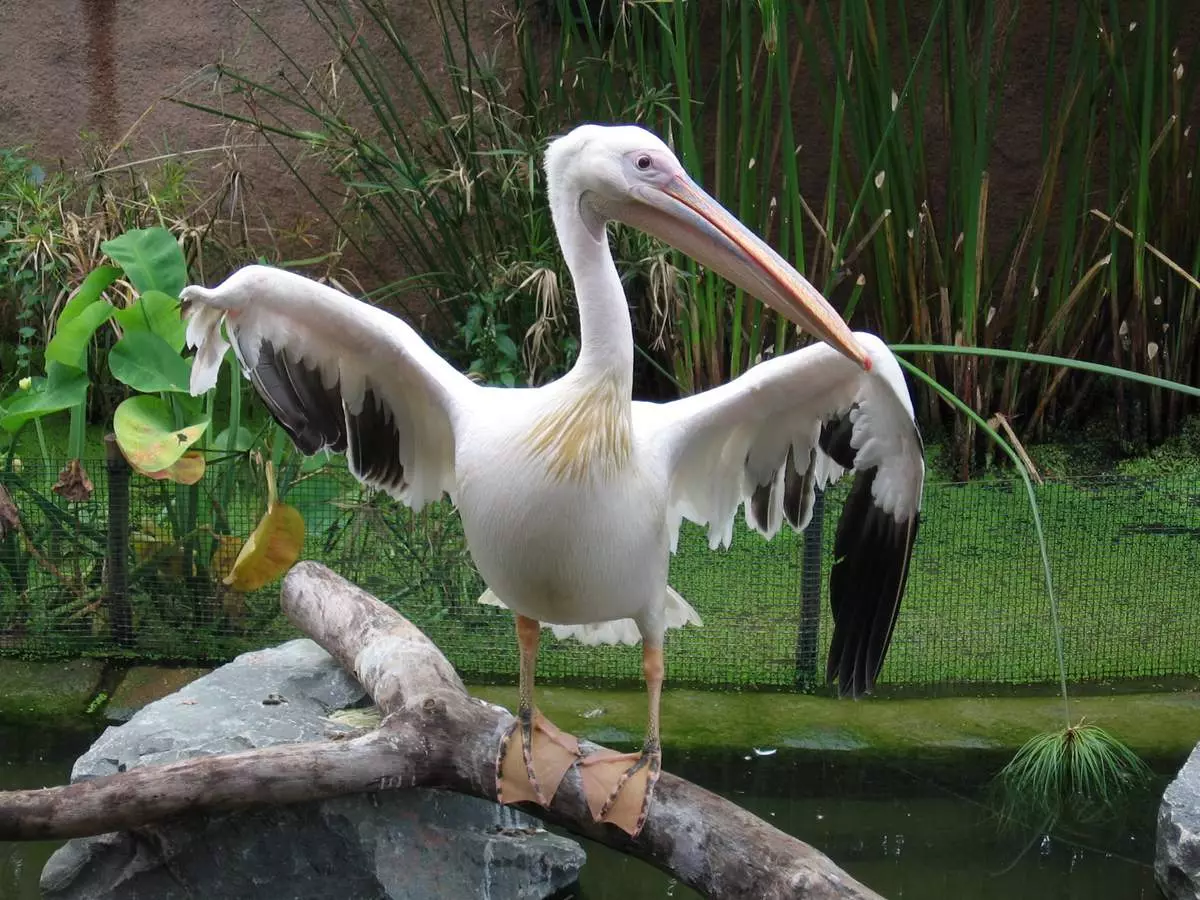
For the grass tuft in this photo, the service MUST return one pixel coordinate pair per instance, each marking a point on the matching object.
(1079, 775)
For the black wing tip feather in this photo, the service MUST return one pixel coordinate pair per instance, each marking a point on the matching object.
(298, 399)
(798, 494)
(872, 550)
(316, 417)
(836, 439)
(374, 451)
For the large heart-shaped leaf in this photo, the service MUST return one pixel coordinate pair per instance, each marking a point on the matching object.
(80, 318)
(72, 334)
(146, 362)
(151, 258)
(147, 435)
(89, 292)
(62, 388)
(243, 440)
(157, 313)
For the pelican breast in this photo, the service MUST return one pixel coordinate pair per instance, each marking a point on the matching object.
(586, 433)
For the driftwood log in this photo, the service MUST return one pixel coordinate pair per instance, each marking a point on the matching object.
(435, 735)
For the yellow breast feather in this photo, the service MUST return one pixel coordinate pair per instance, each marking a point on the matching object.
(588, 435)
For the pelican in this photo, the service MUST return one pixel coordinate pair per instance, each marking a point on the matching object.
(571, 495)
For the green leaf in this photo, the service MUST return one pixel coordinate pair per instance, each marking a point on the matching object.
(72, 336)
(89, 292)
(243, 440)
(147, 363)
(62, 388)
(147, 435)
(151, 258)
(506, 346)
(1066, 362)
(157, 313)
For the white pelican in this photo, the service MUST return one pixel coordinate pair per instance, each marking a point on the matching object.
(571, 494)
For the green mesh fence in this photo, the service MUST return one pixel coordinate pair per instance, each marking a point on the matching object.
(1124, 552)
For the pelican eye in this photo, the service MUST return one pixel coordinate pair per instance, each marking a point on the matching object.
(644, 162)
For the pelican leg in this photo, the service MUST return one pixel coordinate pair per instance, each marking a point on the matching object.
(546, 752)
(616, 791)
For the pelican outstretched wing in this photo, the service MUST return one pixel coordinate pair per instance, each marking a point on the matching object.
(772, 437)
(337, 374)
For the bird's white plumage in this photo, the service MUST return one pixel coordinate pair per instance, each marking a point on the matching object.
(677, 613)
(571, 495)
(352, 345)
(724, 442)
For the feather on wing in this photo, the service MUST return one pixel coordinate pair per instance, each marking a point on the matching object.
(337, 374)
(772, 438)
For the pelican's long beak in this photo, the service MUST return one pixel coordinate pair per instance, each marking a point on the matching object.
(687, 218)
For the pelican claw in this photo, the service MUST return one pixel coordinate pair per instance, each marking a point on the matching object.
(619, 793)
(535, 774)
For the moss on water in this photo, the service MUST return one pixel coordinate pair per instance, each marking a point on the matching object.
(47, 693)
(1153, 725)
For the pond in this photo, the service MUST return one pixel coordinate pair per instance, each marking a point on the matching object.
(920, 830)
(31, 759)
(917, 830)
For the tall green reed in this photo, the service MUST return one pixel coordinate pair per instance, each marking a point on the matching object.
(1069, 278)
(445, 168)
(859, 137)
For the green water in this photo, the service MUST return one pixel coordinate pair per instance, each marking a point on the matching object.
(918, 831)
(30, 758)
(921, 831)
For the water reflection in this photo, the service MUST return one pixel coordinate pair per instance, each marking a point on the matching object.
(33, 758)
(918, 832)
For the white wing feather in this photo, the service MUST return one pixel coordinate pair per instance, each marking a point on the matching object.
(769, 439)
(335, 372)
(722, 444)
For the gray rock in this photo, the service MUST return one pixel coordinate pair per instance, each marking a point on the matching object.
(1177, 858)
(401, 844)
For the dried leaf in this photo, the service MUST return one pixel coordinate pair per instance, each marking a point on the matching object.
(10, 519)
(147, 435)
(73, 483)
(272, 549)
(188, 469)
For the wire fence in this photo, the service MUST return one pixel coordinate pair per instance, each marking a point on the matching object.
(1124, 552)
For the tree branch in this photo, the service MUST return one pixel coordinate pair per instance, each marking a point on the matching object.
(433, 735)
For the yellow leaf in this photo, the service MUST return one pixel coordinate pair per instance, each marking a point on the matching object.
(188, 469)
(146, 433)
(224, 554)
(270, 550)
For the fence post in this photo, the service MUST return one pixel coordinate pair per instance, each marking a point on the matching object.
(809, 630)
(116, 588)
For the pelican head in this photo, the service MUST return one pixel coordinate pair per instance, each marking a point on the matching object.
(626, 173)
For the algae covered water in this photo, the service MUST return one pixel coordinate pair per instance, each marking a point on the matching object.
(912, 829)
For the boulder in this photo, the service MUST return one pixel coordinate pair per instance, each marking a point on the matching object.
(1177, 857)
(397, 844)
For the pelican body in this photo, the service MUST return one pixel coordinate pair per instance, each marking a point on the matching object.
(571, 494)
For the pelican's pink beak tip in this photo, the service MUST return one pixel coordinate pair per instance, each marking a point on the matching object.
(867, 364)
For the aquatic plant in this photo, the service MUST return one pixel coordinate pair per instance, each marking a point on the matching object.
(1081, 772)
